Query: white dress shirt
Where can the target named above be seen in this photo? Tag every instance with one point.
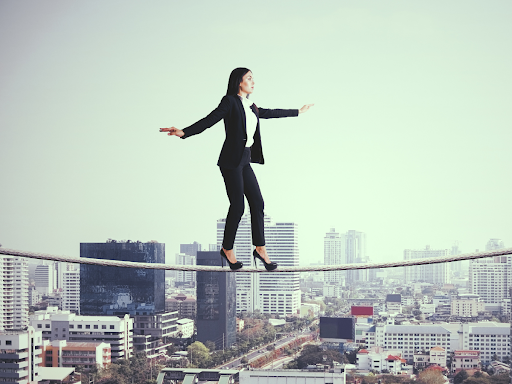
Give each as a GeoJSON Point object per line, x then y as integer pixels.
{"type": "Point", "coordinates": [250, 120]}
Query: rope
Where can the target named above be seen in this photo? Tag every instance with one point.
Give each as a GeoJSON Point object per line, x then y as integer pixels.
{"type": "Point", "coordinates": [203, 268]}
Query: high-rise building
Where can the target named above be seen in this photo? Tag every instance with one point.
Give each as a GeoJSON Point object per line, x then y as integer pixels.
{"type": "Point", "coordinates": [45, 278]}
{"type": "Point", "coordinates": [334, 254]}
{"type": "Point", "coordinates": [491, 278]}
{"type": "Point", "coordinates": [355, 252]}
{"type": "Point", "coordinates": [430, 273]}
{"type": "Point", "coordinates": [277, 293]}
{"type": "Point", "coordinates": [108, 290]}
{"type": "Point", "coordinates": [216, 306]}
{"type": "Point", "coordinates": [190, 249]}
{"type": "Point", "coordinates": [70, 287]}
{"type": "Point", "coordinates": [13, 293]}
{"type": "Point", "coordinates": [185, 277]}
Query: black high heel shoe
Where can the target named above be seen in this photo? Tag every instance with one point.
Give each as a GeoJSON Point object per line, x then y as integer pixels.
{"type": "Point", "coordinates": [268, 266]}
{"type": "Point", "coordinates": [234, 266]}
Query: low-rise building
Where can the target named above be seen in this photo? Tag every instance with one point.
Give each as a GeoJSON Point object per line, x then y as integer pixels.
{"type": "Point", "coordinates": [380, 360]}
{"type": "Point", "coordinates": [63, 325]}
{"type": "Point", "coordinates": [186, 328]}
{"type": "Point", "coordinates": [62, 353]}
{"type": "Point", "coordinates": [185, 305]}
{"type": "Point", "coordinates": [467, 305]}
{"type": "Point", "coordinates": [152, 333]}
{"type": "Point", "coordinates": [467, 360]}
{"type": "Point", "coordinates": [394, 303]}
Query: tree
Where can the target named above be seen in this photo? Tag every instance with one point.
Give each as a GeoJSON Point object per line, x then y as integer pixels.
{"type": "Point", "coordinates": [460, 377]}
{"type": "Point", "coordinates": [210, 345]}
{"type": "Point", "coordinates": [431, 376]}
{"type": "Point", "coordinates": [198, 354]}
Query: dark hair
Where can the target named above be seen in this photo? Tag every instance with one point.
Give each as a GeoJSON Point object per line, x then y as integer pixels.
{"type": "Point", "coordinates": [235, 79]}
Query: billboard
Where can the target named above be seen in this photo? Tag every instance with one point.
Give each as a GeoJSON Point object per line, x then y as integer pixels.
{"type": "Point", "coordinates": [337, 329]}
{"type": "Point", "coordinates": [360, 311]}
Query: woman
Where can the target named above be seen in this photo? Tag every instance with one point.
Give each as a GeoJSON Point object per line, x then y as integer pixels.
{"type": "Point", "coordinates": [241, 147]}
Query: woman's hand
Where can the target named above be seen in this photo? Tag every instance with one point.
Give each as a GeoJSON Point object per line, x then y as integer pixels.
{"type": "Point", "coordinates": [305, 108]}
{"type": "Point", "coordinates": [173, 131]}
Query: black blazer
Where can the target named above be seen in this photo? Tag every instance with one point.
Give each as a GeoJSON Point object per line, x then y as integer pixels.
{"type": "Point", "coordinates": [232, 111]}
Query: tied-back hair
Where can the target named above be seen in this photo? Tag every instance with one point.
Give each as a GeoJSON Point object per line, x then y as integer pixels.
{"type": "Point", "coordinates": [235, 78]}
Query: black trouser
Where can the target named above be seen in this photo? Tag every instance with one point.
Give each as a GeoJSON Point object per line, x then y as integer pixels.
{"type": "Point", "coordinates": [239, 182]}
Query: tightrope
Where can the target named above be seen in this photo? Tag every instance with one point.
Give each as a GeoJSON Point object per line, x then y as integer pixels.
{"type": "Point", "coordinates": [203, 268]}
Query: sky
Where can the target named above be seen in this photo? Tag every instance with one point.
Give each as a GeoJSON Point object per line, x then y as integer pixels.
{"type": "Point", "coordinates": [408, 140]}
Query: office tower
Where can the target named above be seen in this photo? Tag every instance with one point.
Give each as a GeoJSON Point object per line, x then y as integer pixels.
{"type": "Point", "coordinates": [355, 252]}
{"type": "Point", "coordinates": [216, 306]}
{"type": "Point", "coordinates": [45, 278]}
{"type": "Point", "coordinates": [70, 283]}
{"type": "Point", "coordinates": [13, 293]}
{"type": "Point", "coordinates": [277, 293]}
{"type": "Point", "coordinates": [190, 249]}
{"type": "Point", "coordinates": [429, 273]}
{"type": "Point", "coordinates": [334, 254]}
{"type": "Point", "coordinates": [491, 279]}
{"type": "Point", "coordinates": [185, 277]}
{"type": "Point", "coordinates": [117, 291]}
{"type": "Point", "coordinates": [20, 356]}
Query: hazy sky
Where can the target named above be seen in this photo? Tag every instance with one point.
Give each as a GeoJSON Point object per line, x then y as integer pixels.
{"type": "Point", "coordinates": [409, 139]}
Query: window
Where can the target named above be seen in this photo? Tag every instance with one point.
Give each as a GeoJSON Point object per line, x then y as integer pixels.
{"type": "Point", "coordinates": [8, 342]}
{"type": "Point", "coordinates": [111, 327]}
{"type": "Point", "coordinates": [79, 326]}
{"type": "Point", "coordinates": [87, 326]}
{"type": "Point", "coordinates": [47, 325]}
{"type": "Point", "coordinates": [95, 326]}
{"type": "Point", "coordinates": [103, 326]}
{"type": "Point", "coordinates": [39, 325]}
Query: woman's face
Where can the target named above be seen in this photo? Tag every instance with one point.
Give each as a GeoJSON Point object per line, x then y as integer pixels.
{"type": "Point", "coordinates": [247, 84]}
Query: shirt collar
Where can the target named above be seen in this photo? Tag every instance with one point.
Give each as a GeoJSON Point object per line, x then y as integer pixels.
{"type": "Point", "coordinates": [245, 101]}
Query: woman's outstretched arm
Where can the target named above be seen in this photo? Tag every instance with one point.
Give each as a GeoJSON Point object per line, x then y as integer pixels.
{"type": "Point", "coordinates": [213, 118]}
{"type": "Point", "coordinates": [275, 113]}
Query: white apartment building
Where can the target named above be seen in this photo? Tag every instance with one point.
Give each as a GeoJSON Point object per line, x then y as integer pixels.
{"type": "Point", "coordinates": [487, 337]}
{"type": "Point", "coordinates": [13, 292]}
{"type": "Point", "coordinates": [71, 288]}
{"type": "Point", "coordinates": [63, 325]}
{"type": "Point", "coordinates": [429, 273]}
{"type": "Point", "coordinates": [20, 356]}
{"type": "Point", "coordinates": [334, 254]}
{"type": "Point", "coordinates": [491, 278]}
{"type": "Point", "coordinates": [379, 360]}
{"type": "Point", "coordinates": [185, 328]}
{"type": "Point", "coordinates": [275, 292]}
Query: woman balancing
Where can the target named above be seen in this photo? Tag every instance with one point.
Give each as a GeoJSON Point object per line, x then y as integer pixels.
{"type": "Point", "coordinates": [241, 147]}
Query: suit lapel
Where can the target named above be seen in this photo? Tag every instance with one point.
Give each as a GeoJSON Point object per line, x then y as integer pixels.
{"type": "Point", "coordinates": [242, 112]}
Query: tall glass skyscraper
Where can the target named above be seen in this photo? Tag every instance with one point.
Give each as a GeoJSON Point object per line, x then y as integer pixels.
{"type": "Point", "coordinates": [216, 303]}
{"type": "Point", "coordinates": [117, 291]}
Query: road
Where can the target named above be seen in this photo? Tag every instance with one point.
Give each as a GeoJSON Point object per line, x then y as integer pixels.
{"type": "Point", "coordinates": [256, 353]}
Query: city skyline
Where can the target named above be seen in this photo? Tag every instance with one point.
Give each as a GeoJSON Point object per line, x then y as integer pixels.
{"type": "Point", "coordinates": [407, 141]}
